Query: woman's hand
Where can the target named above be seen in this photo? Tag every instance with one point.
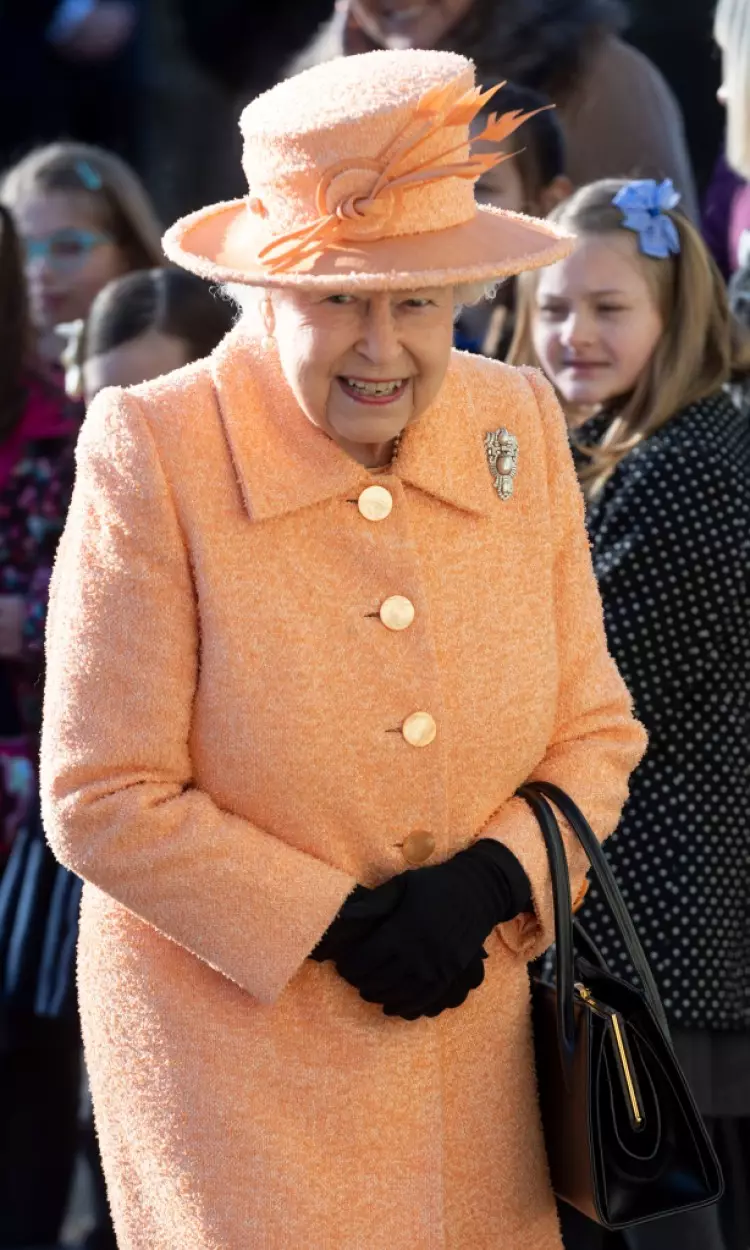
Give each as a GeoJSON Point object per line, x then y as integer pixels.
{"type": "Point", "coordinates": [359, 917]}
{"type": "Point", "coordinates": [456, 993]}
{"type": "Point", "coordinates": [427, 949]}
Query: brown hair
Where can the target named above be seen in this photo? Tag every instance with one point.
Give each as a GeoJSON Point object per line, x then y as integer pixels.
{"type": "Point", "coordinates": [15, 332]}
{"type": "Point", "coordinates": [700, 348]}
{"type": "Point", "coordinates": [539, 146]}
{"type": "Point", "coordinates": [543, 44]}
{"type": "Point", "coordinates": [170, 301]}
{"type": "Point", "coordinates": [119, 200]}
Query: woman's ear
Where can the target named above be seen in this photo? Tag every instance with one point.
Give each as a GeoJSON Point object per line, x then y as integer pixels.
{"type": "Point", "coordinates": [559, 189]}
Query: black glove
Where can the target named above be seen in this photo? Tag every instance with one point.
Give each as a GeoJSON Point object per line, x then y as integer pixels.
{"type": "Point", "coordinates": [456, 994]}
{"type": "Point", "coordinates": [358, 917]}
{"type": "Point", "coordinates": [414, 956]}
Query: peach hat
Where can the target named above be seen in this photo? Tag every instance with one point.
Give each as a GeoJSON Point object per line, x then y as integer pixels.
{"type": "Point", "coordinates": [361, 176]}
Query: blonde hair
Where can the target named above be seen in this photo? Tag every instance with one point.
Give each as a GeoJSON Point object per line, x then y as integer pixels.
{"type": "Point", "coordinates": [732, 33]}
{"type": "Point", "coordinates": [117, 195]}
{"type": "Point", "coordinates": [700, 347]}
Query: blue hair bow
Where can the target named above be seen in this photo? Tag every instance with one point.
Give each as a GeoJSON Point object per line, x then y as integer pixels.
{"type": "Point", "coordinates": [642, 205]}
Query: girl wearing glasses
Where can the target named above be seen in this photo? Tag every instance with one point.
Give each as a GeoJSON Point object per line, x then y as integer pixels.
{"type": "Point", "coordinates": [39, 1042]}
{"type": "Point", "coordinates": [84, 219]}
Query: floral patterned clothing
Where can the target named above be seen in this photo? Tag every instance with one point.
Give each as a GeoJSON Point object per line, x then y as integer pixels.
{"type": "Point", "coordinates": [36, 480]}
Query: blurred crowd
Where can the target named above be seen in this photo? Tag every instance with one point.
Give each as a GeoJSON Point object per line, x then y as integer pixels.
{"type": "Point", "coordinates": [118, 116]}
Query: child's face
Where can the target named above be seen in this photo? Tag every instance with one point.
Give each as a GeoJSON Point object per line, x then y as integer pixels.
{"type": "Point", "coordinates": [502, 187]}
{"type": "Point", "coordinates": [595, 321]}
{"type": "Point", "coordinates": [149, 356]}
{"type": "Point", "coordinates": [69, 257]}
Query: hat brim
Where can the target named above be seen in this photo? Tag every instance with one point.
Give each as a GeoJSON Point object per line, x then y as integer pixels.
{"type": "Point", "coordinates": [215, 244]}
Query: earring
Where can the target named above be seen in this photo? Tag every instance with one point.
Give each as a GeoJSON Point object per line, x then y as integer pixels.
{"type": "Point", "coordinates": [269, 321]}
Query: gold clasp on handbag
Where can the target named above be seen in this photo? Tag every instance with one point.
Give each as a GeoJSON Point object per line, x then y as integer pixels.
{"type": "Point", "coordinates": [618, 1029]}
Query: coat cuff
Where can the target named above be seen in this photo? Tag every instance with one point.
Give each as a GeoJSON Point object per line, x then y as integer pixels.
{"type": "Point", "coordinates": [530, 933]}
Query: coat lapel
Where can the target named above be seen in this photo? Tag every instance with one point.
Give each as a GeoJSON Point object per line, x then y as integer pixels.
{"type": "Point", "coordinates": [285, 463]}
{"type": "Point", "coordinates": [443, 453]}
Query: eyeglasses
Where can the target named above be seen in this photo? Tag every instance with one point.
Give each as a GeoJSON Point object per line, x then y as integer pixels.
{"type": "Point", "coordinates": [64, 249]}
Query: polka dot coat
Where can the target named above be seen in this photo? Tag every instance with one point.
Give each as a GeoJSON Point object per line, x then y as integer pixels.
{"type": "Point", "coordinates": [671, 547]}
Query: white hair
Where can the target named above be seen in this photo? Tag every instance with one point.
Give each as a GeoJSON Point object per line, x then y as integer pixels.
{"type": "Point", "coordinates": [474, 292]}
{"type": "Point", "coordinates": [246, 299]}
{"type": "Point", "coordinates": [732, 33]}
{"type": "Point", "coordinates": [249, 299]}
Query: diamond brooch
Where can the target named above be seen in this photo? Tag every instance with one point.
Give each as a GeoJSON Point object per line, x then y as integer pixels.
{"type": "Point", "coordinates": [502, 458]}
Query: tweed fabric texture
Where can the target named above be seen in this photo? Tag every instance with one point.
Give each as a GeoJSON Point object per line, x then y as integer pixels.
{"type": "Point", "coordinates": [222, 760]}
{"type": "Point", "coordinates": [340, 120]}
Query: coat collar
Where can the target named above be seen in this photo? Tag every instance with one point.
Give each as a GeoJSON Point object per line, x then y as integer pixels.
{"type": "Point", "coordinates": [284, 463]}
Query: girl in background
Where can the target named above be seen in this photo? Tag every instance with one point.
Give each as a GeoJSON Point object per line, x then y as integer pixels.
{"type": "Point", "coordinates": [635, 333]}
{"type": "Point", "coordinates": [533, 182]}
{"type": "Point", "coordinates": [39, 1054]}
{"type": "Point", "coordinates": [85, 219]}
{"type": "Point", "coordinates": [148, 323]}
{"type": "Point", "coordinates": [38, 426]}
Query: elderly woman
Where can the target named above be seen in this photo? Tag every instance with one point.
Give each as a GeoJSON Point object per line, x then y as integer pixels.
{"type": "Point", "coordinates": [323, 603]}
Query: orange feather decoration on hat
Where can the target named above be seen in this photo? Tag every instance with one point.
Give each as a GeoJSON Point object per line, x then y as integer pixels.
{"type": "Point", "coordinates": [357, 199]}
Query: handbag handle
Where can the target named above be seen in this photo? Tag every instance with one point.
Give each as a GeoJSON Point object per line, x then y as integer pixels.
{"type": "Point", "coordinates": [536, 794]}
{"type": "Point", "coordinates": [558, 866]}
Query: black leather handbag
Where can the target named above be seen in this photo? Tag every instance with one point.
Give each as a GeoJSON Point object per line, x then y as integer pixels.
{"type": "Point", "coordinates": [624, 1138]}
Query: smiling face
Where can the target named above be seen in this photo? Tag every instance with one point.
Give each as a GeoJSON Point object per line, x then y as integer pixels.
{"type": "Point", "coordinates": [362, 367]}
{"type": "Point", "coordinates": [69, 258]}
{"type": "Point", "coordinates": [408, 23]}
{"type": "Point", "coordinates": [595, 321]}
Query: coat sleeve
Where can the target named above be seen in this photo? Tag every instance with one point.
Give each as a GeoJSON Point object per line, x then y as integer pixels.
{"type": "Point", "coordinates": [120, 805]}
{"type": "Point", "coordinates": [596, 742]}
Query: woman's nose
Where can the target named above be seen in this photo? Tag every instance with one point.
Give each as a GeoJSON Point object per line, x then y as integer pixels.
{"type": "Point", "coordinates": [380, 340]}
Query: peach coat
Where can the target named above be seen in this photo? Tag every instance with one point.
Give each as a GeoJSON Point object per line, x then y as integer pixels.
{"type": "Point", "coordinates": [223, 760]}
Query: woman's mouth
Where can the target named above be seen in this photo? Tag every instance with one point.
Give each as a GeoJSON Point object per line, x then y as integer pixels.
{"type": "Point", "coordinates": [368, 391]}
{"type": "Point", "coordinates": [584, 366]}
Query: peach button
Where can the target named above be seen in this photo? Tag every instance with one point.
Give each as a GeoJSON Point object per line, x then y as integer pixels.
{"type": "Point", "coordinates": [419, 729]}
{"type": "Point", "coordinates": [418, 847]}
{"type": "Point", "coordinates": [397, 612]}
{"type": "Point", "coordinates": [375, 503]}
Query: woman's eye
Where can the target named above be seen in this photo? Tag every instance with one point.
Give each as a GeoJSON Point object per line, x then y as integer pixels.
{"type": "Point", "coordinates": [552, 312]}
{"type": "Point", "coordinates": [611, 308]}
